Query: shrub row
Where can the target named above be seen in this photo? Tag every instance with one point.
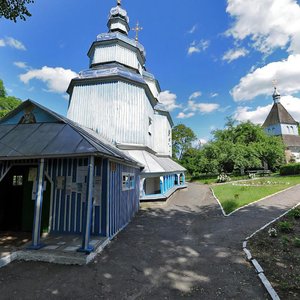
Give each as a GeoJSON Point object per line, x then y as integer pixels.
{"type": "Point", "coordinates": [290, 169]}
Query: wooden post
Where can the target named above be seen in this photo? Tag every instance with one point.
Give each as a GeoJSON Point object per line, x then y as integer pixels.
{"type": "Point", "coordinates": [38, 207]}
{"type": "Point", "coordinates": [88, 209]}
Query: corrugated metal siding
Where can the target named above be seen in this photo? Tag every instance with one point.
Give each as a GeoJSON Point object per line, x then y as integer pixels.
{"type": "Point", "coordinates": [163, 140]}
{"type": "Point", "coordinates": [116, 53]}
{"type": "Point", "coordinates": [122, 204]}
{"type": "Point", "coordinates": [119, 111]}
{"type": "Point", "coordinates": [104, 54]}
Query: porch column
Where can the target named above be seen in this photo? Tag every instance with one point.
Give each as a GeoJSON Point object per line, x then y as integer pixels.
{"type": "Point", "coordinates": [88, 209]}
{"type": "Point", "coordinates": [178, 179]}
{"type": "Point", "coordinates": [38, 207]}
{"type": "Point", "coordinates": [142, 191]}
{"type": "Point", "coordinates": [161, 179]}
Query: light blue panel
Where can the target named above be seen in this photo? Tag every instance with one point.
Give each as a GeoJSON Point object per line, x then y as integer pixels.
{"type": "Point", "coordinates": [40, 117]}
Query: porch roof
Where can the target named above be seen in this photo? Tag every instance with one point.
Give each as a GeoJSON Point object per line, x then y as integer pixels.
{"type": "Point", "coordinates": [53, 139]}
{"type": "Point", "coordinates": [155, 164]}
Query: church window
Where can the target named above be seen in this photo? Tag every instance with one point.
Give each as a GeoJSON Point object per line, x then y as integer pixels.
{"type": "Point", "coordinates": [150, 126]}
{"type": "Point", "coordinates": [288, 129]}
{"type": "Point", "coordinates": [128, 181]}
{"type": "Point", "coordinates": [292, 129]}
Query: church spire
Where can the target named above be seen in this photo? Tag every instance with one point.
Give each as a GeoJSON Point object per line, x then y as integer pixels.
{"type": "Point", "coordinates": [276, 95]}
{"type": "Point", "coordinates": [118, 19]}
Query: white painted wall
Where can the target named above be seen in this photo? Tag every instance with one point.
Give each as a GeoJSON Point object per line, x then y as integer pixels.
{"type": "Point", "coordinates": [280, 129]}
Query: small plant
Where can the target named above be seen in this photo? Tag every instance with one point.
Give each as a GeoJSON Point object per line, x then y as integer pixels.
{"type": "Point", "coordinates": [285, 226]}
{"type": "Point", "coordinates": [296, 242]}
{"type": "Point", "coordinates": [272, 232]}
{"type": "Point", "coordinates": [285, 241]}
{"type": "Point", "coordinates": [295, 213]}
{"type": "Point", "coordinates": [236, 196]}
{"type": "Point", "coordinates": [206, 182]}
{"type": "Point", "coordinates": [223, 178]}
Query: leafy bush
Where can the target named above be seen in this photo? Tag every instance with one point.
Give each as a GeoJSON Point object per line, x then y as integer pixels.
{"type": "Point", "coordinates": [285, 226]}
{"type": "Point", "coordinates": [290, 169]}
{"type": "Point", "coordinates": [295, 213]}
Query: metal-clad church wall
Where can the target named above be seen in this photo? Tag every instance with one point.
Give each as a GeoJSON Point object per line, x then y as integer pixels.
{"type": "Point", "coordinates": [119, 111]}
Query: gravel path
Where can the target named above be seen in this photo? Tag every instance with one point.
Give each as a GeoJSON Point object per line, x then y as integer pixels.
{"type": "Point", "coordinates": [184, 249]}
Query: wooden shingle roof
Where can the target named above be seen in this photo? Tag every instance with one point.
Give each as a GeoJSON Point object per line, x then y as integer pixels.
{"type": "Point", "coordinates": [279, 115]}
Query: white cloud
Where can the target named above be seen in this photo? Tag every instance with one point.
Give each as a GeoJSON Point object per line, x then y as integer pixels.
{"type": "Point", "coordinates": [193, 29]}
{"type": "Point", "coordinates": [13, 43]}
{"type": "Point", "coordinates": [213, 95]}
{"type": "Point", "coordinates": [270, 24]}
{"type": "Point", "coordinates": [259, 114]}
{"type": "Point", "coordinates": [234, 54]}
{"type": "Point", "coordinates": [183, 115]}
{"type": "Point", "coordinates": [168, 99]}
{"type": "Point", "coordinates": [259, 82]}
{"type": "Point", "coordinates": [204, 108]}
{"type": "Point", "coordinates": [195, 95]}
{"type": "Point", "coordinates": [197, 47]}
{"type": "Point", "coordinates": [21, 65]}
{"type": "Point", "coordinates": [56, 79]}
{"type": "Point", "coordinates": [256, 116]}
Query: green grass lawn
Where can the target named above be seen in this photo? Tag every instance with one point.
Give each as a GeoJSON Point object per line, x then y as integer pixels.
{"type": "Point", "coordinates": [234, 196]}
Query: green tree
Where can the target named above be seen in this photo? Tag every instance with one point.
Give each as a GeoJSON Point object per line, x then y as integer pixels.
{"type": "Point", "coordinates": [7, 103]}
{"type": "Point", "coordinates": [13, 9]}
{"type": "Point", "coordinates": [236, 147]}
{"type": "Point", "coordinates": [182, 138]}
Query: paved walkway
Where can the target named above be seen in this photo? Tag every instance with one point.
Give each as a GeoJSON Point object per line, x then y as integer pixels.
{"type": "Point", "coordinates": [185, 249]}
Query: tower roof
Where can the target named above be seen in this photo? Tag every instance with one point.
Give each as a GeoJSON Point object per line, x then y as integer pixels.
{"type": "Point", "coordinates": [118, 20]}
{"type": "Point", "coordinates": [279, 115]}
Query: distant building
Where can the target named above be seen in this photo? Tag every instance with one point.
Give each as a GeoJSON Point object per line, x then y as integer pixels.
{"type": "Point", "coordinates": [118, 98]}
{"type": "Point", "coordinates": [280, 123]}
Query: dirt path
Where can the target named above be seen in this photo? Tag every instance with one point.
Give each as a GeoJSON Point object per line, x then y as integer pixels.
{"type": "Point", "coordinates": [185, 249]}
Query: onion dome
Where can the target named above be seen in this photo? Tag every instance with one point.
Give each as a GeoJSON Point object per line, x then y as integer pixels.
{"type": "Point", "coordinates": [118, 20]}
{"type": "Point", "coordinates": [276, 96]}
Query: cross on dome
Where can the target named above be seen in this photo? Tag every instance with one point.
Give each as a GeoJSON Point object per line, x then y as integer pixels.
{"type": "Point", "coordinates": [137, 29]}
{"type": "Point", "coordinates": [119, 2]}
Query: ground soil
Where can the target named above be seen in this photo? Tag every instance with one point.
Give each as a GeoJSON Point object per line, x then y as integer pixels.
{"type": "Point", "coordinates": [185, 249]}
{"type": "Point", "coordinates": [280, 257]}
{"type": "Point", "coordinates": [11, 241]}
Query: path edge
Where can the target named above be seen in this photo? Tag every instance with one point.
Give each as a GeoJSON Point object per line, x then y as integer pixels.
{"type": "Point", "coordinates": [249, 204]}
{"type": "Point", "coordinates": [259, 270]}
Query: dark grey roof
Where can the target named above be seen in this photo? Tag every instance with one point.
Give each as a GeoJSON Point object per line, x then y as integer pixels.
{"type": "Point", "coordinates": [279, 115]}
{"type": "Point", "coordinates": [291, 140]}
{"type": "Point", "coordinates": [64, 138]}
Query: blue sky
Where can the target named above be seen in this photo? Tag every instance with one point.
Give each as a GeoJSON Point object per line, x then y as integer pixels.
{"type": "Point", "coordinates": [213, 58]}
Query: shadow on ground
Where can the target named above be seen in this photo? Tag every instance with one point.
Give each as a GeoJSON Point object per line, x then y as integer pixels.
{"type": "Point", "coordinates": [185, 249]}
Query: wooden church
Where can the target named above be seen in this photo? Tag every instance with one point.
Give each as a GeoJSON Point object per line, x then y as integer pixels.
{"type": "Point", "coordinates": [280, 123]}
{"type": "Point", "coordinates": [118, 98]}
{"type": "Point", "coordinates": [85, 174]}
